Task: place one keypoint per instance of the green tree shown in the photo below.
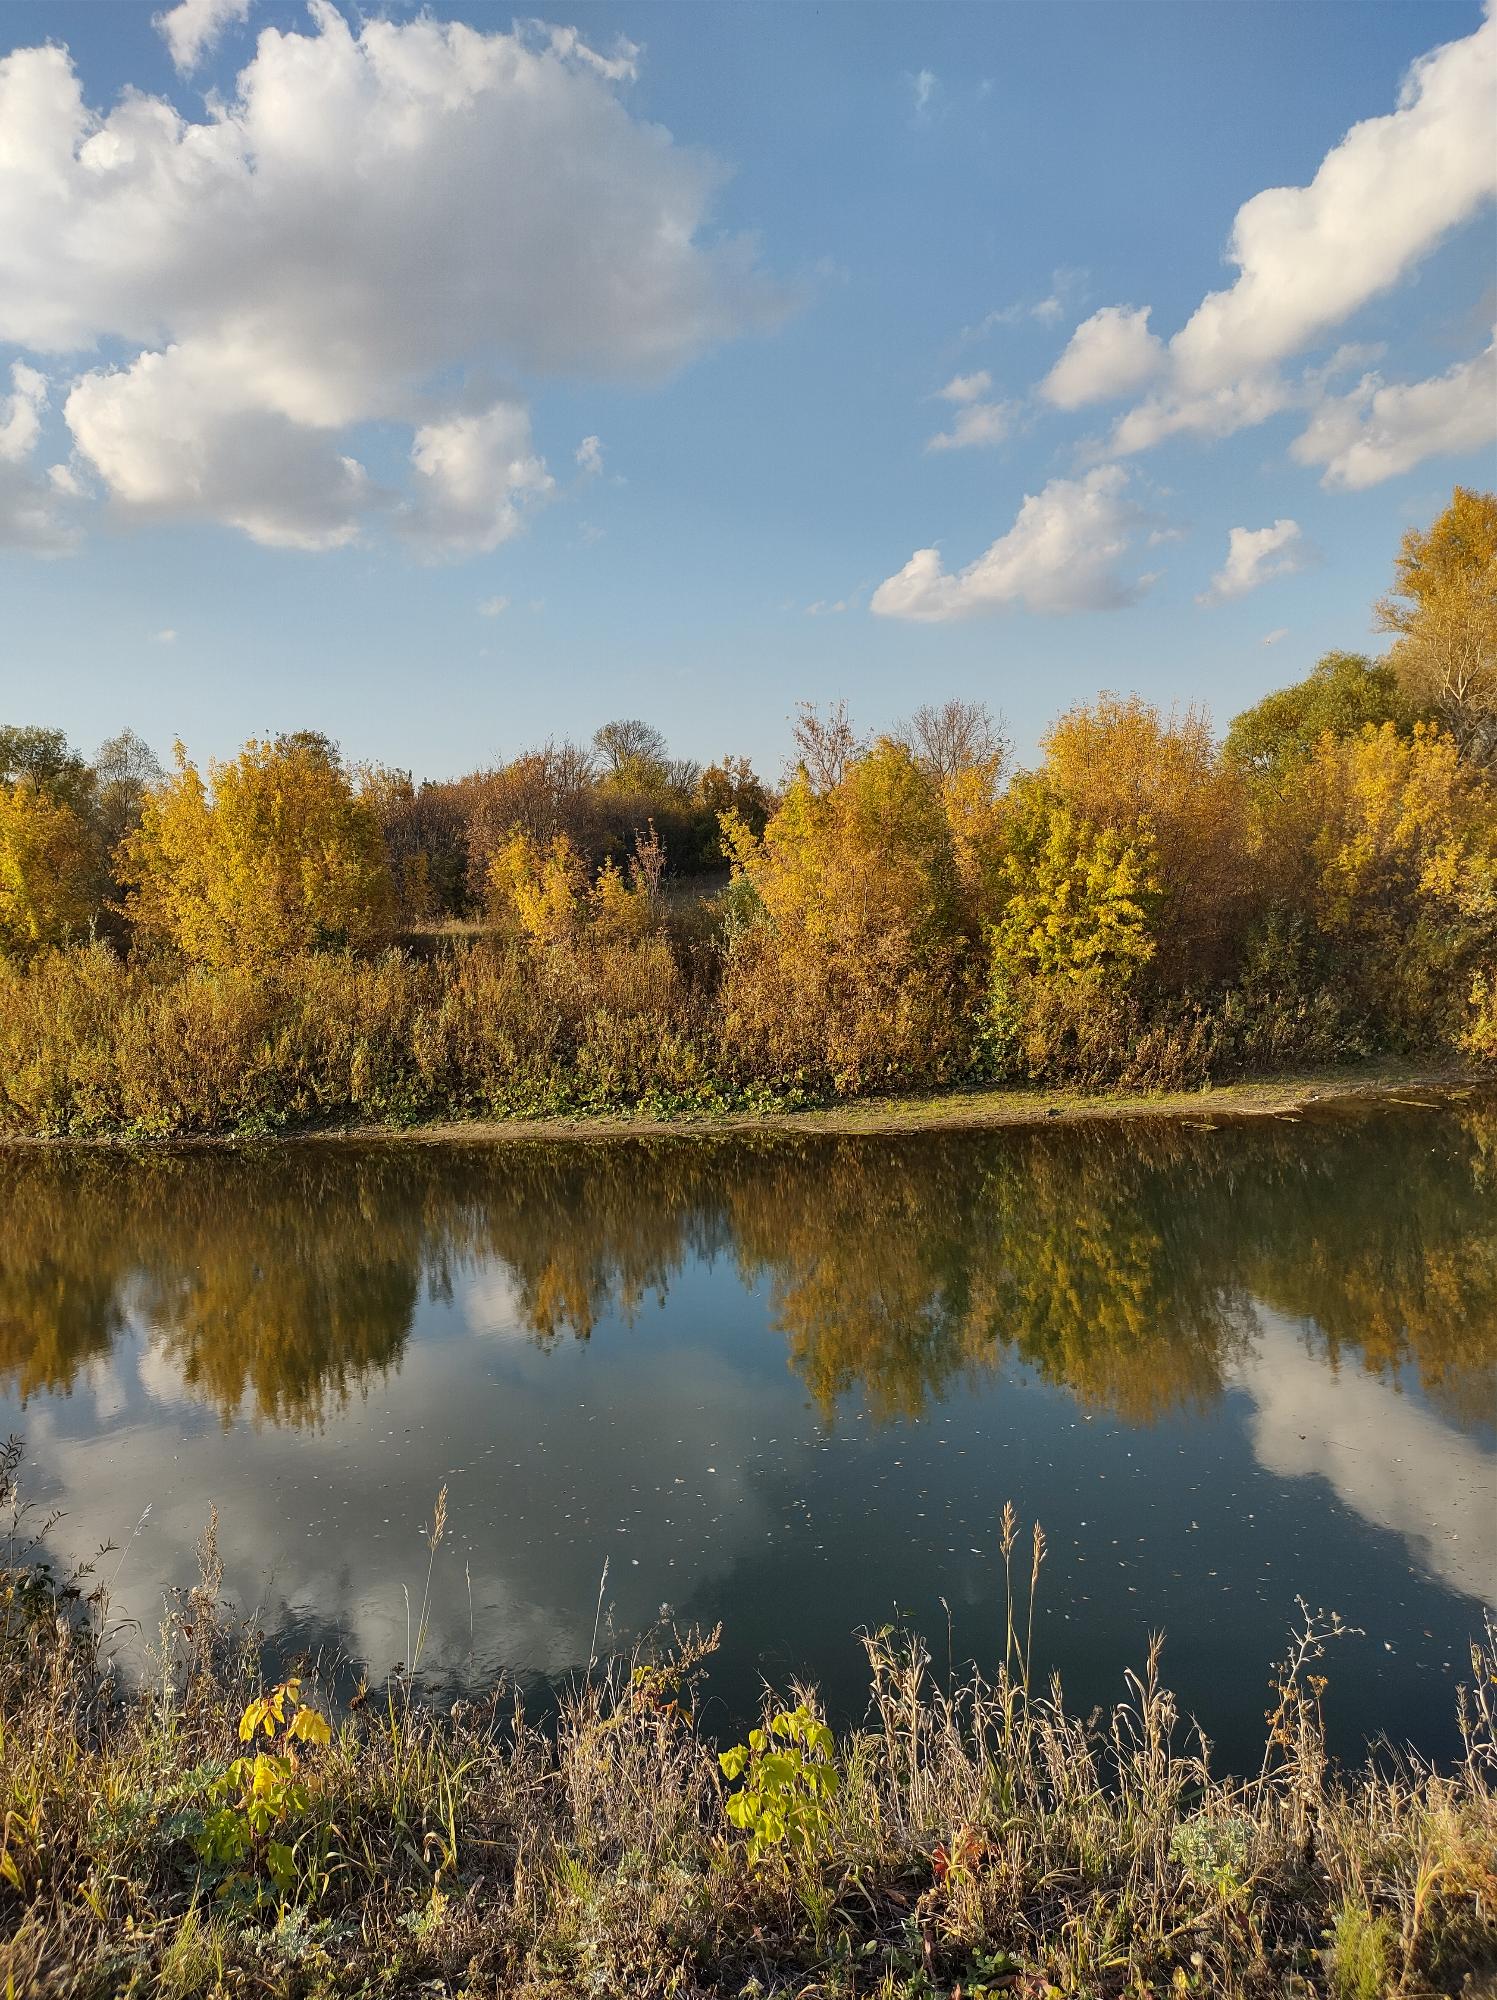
(1341, 694)
(44, 756)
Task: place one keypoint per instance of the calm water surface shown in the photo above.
(788, 1383)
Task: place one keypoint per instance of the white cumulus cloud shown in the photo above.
(1383, 198)
(1384, 428)
(21, 413)
(372, 215)
(32, 513)
(1254, 557)
(1208, 413)
(975, 424)
(175, 433)
(1110, 354)
(589, 456)
(1062, 554)
(191, 28)
(622, 66)
(474, 476)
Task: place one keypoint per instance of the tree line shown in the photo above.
(607, 924)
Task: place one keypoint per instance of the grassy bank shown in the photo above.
(202, 1834)
(955, 1108)
(983, 1107)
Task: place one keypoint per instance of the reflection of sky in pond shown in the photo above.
(773, 1424)
(1384, 1456)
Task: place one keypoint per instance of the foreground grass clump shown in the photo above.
(207, 1834)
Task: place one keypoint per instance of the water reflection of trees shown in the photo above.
(281, 1280)
(1120, 1262)
(896, 1270)
(1381, 1237)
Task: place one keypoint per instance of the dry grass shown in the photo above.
(983, 1839)
(92, 1045)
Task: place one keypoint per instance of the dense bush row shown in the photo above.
(1146, 907)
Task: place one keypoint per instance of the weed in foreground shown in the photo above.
(202, 1834)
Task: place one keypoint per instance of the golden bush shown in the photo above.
(276, 853)
(49, 870)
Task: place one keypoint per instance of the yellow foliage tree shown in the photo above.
(1443, 609)
(49, 870)
(1078, 898)
(731, 786)
(1389, 843)
(845, 927)
(537, 890)
(975, 815)
(1123, 765)
(621, 907)
(540, 892)
(397, 806)
(276, 854)
(1479, 1034)
(1076, 908)
(1398, 819)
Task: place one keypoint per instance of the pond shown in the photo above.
(788, 1382)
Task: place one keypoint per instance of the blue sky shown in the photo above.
(306, 365)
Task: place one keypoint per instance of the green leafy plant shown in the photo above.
(789, 1774)
(1215, 1853)
(260, 1798)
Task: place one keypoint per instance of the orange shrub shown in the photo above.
(845, 954)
